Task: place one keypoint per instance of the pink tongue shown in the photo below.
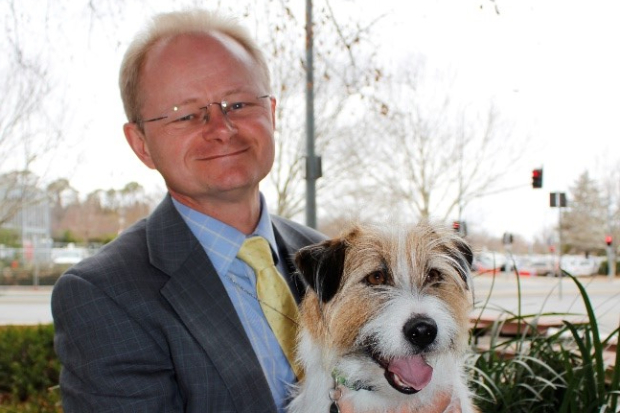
(413, 371)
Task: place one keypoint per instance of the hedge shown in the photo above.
(29, 370)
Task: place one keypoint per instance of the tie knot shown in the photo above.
(256, 253)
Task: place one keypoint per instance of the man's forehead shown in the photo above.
(208, 42)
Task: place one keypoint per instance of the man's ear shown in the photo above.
(136, 139)
(273, 104)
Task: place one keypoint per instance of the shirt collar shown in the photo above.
(221, 241)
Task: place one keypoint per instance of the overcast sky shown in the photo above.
(552, 66)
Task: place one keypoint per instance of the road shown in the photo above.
(549, 294)
(27, 305)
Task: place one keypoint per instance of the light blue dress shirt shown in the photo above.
(221, 242)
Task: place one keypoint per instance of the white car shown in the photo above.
(68, 256)
(579, 266)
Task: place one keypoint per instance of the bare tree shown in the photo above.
(343, 67)
(27, 128)
(18, 190)
(436, 155)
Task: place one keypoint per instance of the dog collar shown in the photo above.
(341, 380)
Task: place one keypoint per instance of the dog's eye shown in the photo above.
(433, 277)
(376, 278)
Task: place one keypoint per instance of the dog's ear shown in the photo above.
(464, 258)
(465, 249)
(321, 266)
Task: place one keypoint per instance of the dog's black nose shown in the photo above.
(420, 331)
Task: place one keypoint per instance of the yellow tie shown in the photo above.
(274, 296)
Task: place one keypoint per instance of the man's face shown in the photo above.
(221, 158)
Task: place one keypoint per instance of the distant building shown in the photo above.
(30, 221)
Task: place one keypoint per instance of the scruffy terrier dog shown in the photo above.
(384, 324)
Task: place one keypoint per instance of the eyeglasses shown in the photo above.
(185, 118)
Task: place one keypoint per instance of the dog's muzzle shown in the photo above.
(410, 374)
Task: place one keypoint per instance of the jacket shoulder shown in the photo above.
(297, 234)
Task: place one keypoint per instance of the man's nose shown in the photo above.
(216, 119)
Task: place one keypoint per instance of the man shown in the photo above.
(166, 318)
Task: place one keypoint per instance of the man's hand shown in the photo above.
(443, 404)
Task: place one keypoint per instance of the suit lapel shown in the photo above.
(201, 301)
(287, 253)
(289, 242)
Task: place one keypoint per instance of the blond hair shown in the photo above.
(169, 25)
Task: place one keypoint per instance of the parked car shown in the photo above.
(544, 265)
(520, 265)
(580, 266)
(68, 256)
(487, 261)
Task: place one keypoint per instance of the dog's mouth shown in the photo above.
(408, 375)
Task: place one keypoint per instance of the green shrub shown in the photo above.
(29, 369)
(560, 373)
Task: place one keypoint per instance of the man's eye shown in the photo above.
(188, 117)
(238, 105)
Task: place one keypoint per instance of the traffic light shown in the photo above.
(460, 227)
(557, 199)
(537, 175)
(608, 240)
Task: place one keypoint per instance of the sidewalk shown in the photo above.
(25, 305)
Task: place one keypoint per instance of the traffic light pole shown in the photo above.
(557, 195)
(611, 262)
(558, 200)
(611, 255)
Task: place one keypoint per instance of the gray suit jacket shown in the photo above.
(147, 326)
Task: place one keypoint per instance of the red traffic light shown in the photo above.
(537, 176)
(608, 240)
(460, 227)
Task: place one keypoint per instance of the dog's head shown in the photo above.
(389, 301)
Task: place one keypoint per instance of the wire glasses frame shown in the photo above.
(185, 118)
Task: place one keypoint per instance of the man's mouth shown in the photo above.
(223, 155)
(408, 375)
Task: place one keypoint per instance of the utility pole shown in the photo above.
(313, 162)
(611, 256)
(558, 199)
